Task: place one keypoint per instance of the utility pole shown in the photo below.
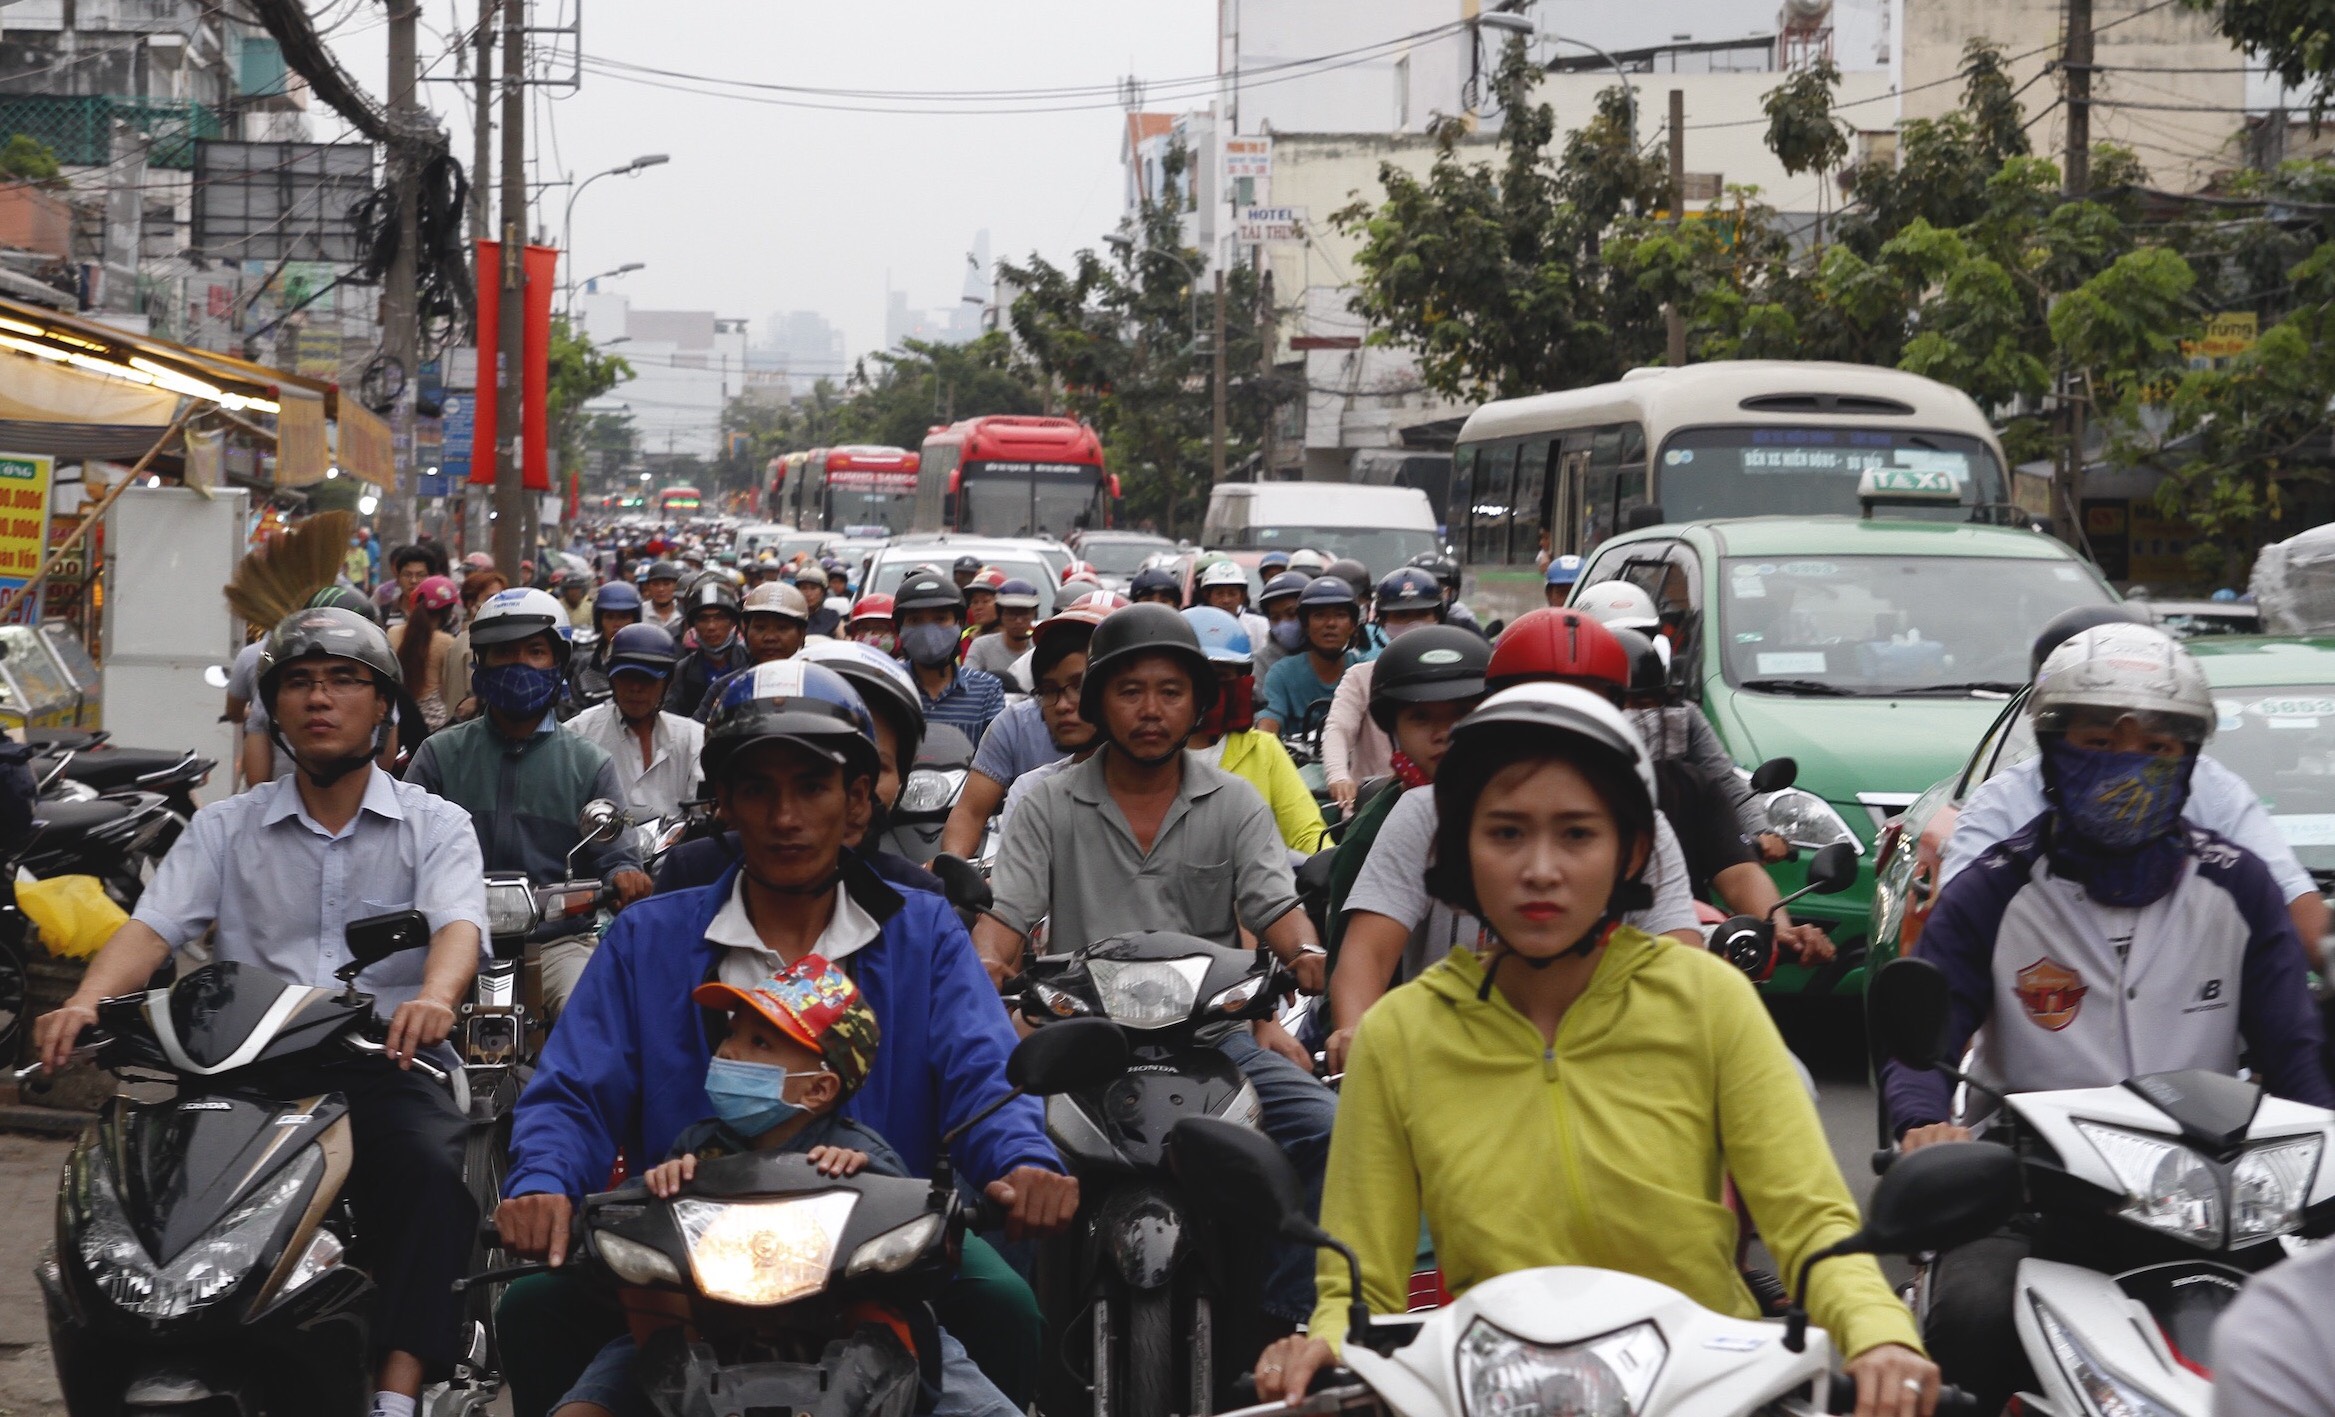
(483, 131)
(510, 536)
(400, 315)
(2076, 70)
(1267, 337)
(1216, 440)
(1672, 316)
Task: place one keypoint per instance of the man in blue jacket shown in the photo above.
(791, 755)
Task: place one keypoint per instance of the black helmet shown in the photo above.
(1441, 567)
(661, 571)
(1409, 588)
(712, 593)
(1649, 671)
(2068, 624)
(340, 597)
(324, 632)
(928, 590)
(1325, 591)
(794, 701)
(1149, 628)
(966, 565)
(1352, 572)
(1432, 664)
(1153, 579)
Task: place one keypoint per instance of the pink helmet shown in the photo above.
(436, 594)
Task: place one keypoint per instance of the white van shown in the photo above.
(1382, 527)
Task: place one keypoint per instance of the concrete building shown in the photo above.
(687, 365)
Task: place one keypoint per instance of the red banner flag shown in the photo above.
(535, 359)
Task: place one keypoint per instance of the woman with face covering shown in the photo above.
(1573, 1091)
(1354, 749)
(1227, 737)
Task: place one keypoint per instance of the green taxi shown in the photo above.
(1872, 652)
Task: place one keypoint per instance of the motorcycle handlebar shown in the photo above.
(1952, 1401)
(376, 1049)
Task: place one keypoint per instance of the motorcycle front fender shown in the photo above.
(868, 1374)
(1146, 1235)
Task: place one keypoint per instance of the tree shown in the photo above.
(2296, 38)
(892, 398)
(580, 372)
(25, 158)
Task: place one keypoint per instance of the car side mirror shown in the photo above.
(1069, 1055)
(1833, 870)
(1775, 775)
(1907, 1005)
(962, 882)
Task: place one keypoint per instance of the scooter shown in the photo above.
(929, 794)
(200, 1259)
(2195, 1181)
(1571, 1339)
(775, 1289)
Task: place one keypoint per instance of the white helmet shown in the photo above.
(777, 598)
(1308, 561)
(509, 616)
(1618, 605)
(1564, 708)
(1223, 573)
(2135, 670)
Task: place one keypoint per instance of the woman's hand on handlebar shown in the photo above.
(55, 1033)
(1286, 1368)
(1894, 1381)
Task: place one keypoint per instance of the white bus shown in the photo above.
(1558, 473)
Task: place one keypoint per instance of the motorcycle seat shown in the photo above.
(64, 739)
(108, 768)
(62, 822)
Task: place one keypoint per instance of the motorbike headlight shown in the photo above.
(764, 1252)
(634, 1262)
(1239, 996)
(1501, 1375)
(510, 905)
(895, 1249)
(1244, 1107)
(2269, 1187)
(214, 1264)
(2167, 1186)
(323, 1253)
(1148, 993)
(1805, 819)
(929, 790)
(2105, 1392)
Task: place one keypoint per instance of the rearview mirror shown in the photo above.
(377, 937)
(1221, 1161)
(1639, 518)
(1775, 775)
(1943, 1195)
(600, 821)
(962, 882)
(1833, 870)
(1069, 1055)
(1906, 1006)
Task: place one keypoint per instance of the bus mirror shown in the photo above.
(1639, 518)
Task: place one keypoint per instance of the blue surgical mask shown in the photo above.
(751, 1097)
(929, 645)
(518, 689)
(1290, 635)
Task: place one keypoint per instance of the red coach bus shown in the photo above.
(1013, 475)
(866, 486)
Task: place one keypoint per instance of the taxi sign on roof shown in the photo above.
(1905, 486)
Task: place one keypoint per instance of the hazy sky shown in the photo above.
(767, 208)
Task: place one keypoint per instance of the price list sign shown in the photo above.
(24, 526)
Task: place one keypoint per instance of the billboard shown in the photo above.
(280, 201)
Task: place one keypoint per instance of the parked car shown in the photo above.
(1874, 653)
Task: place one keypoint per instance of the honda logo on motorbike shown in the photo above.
(2052, 993)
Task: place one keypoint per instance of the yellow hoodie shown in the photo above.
(1604, 1150)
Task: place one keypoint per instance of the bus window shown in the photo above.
(1629, 476)
(1488, 506)
(1529, 508)
(1463, 483)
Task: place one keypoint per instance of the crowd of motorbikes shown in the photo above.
(208, 1260)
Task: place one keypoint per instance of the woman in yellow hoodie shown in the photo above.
(1572, 1094)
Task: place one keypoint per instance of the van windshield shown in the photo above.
(1707, 473)
(1381, 549)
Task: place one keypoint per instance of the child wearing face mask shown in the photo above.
(798, 1046)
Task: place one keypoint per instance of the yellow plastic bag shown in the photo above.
(73, 913)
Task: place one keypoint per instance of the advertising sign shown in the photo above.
(24, 525)
(1270, 224)
(1248, 157)
(871, 479)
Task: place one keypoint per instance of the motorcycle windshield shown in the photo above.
(216, 1010)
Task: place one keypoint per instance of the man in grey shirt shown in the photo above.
(2274, 1349)
(1145, 836)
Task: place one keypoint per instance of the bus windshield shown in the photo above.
(1381, 549)
(1010, 499)
(1707, 473)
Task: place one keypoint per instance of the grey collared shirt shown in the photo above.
(1216, 863)
(282, 889)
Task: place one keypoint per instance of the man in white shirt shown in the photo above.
(655, 752)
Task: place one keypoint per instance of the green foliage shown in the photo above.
(25, 158)
(1801, 130)
(2296, 38)
(579, 372)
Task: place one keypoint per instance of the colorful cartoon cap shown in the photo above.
(815, 1004)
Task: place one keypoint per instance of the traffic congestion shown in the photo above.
(740, 959)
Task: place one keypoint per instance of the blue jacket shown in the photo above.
(625, 1068)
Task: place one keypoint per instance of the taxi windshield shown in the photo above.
(2280, 741)
(1888, 626)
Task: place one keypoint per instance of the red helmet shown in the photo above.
(989, 578)
(1080, 568)
(872, 607)
(436, 593)
(1559, 644)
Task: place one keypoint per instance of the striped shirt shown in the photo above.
(971, 700)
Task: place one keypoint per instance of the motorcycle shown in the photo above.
(1160, 1301)
(1749, 941)
(89, 757)
(801, 1293)
(1576, 1339)
(199, 1262)
(2193, 1180)
(928, 795)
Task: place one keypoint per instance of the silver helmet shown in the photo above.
(2124, 670)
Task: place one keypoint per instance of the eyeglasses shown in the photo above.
(1049, 692)
(340, 683)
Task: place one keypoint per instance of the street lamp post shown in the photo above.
(567, 221)
(624, 270)
(1509, 22)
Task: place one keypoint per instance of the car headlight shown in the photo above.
(1805, 819)
(213, 1265)
(895, 1249)
(634, 1262)
(1501, 1375)
(1148, 993)
(510, 905)
(764, 1252)
(2167, 1186)
(2104, 1391)
(2269, 1187)
(929, 790)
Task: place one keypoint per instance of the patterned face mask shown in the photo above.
(2117, 820)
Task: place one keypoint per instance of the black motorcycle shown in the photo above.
(929, 793)
(780, 1290)
(199, 1259)
(91, 758)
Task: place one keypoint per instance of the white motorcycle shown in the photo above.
(2194, 1180)
(1568, 1341)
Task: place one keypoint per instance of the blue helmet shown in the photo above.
(642, 649)
(1564, 570)
(791, 701)
(1272, 563)
(616, 596)
(1221, 637)
(1152, 580)
(1017, 594)
(1409, 588)
(1324, 592)
(1286, 583)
